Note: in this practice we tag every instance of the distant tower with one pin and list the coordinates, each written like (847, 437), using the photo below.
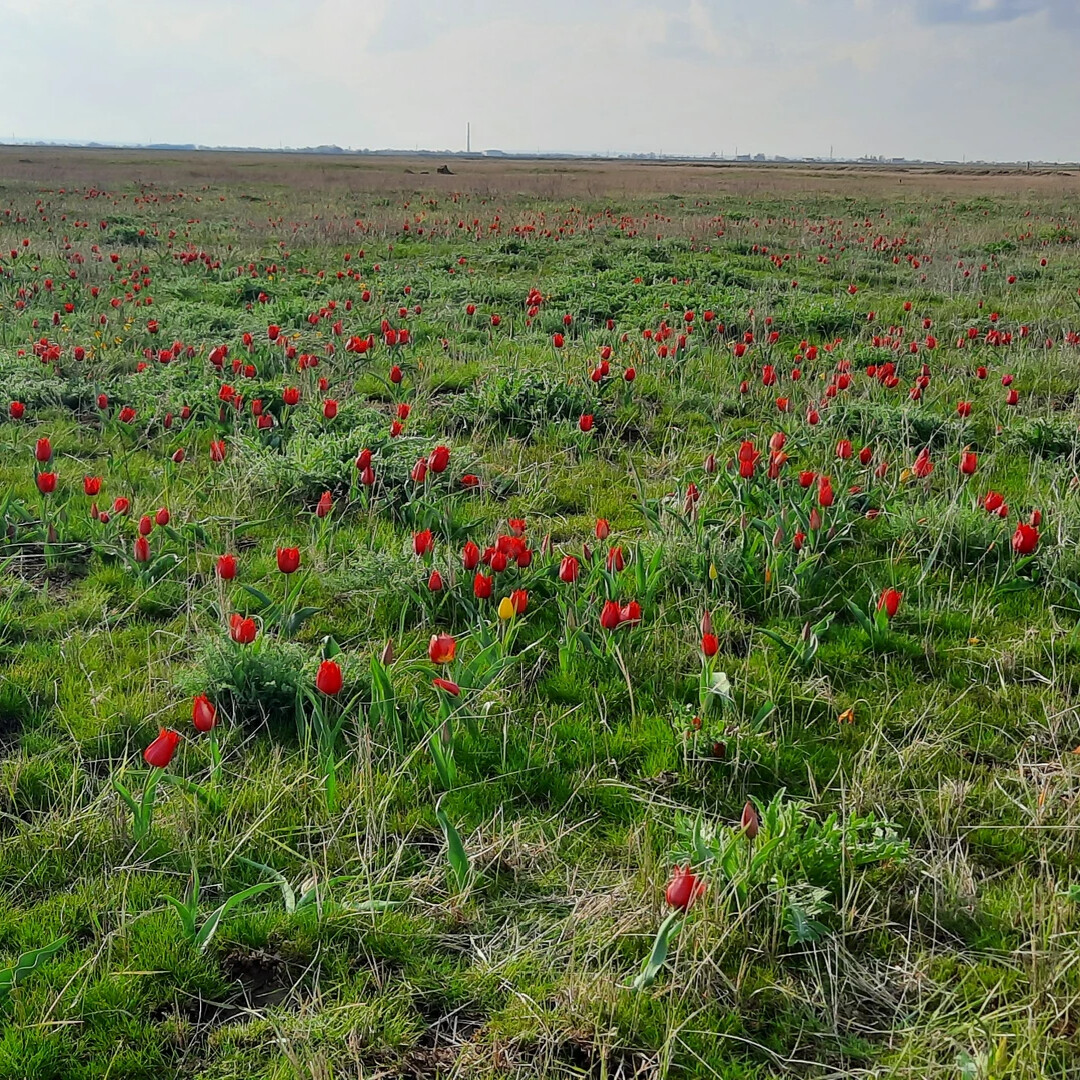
(468, 138)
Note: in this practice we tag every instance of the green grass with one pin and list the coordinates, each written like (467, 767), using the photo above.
(571, 767)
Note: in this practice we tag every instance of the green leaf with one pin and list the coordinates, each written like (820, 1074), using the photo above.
(444, 762)
(801, 927)
(258, 594)
(213, 921)
(27, 962)
(298, 618)
(186, 915)
(455, 852)
(126, 795)
(764, 713)
(862, 619)
(658, 955)
(287, 894)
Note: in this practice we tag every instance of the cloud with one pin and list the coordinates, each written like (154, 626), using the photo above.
(989, 11)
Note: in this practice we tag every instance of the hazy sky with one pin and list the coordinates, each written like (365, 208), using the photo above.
(992, 79)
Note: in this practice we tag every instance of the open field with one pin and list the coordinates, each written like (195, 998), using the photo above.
(403, 577)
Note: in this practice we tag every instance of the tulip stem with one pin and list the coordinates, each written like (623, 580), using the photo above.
(215, 757)
(283, 622)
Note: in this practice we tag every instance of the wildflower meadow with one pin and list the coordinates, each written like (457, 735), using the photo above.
(501, 624)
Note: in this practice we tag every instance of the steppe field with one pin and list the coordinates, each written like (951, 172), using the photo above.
(555, 619)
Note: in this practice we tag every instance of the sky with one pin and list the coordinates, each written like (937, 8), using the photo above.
(933, 79)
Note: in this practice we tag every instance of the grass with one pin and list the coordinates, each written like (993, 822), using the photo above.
(470, 886)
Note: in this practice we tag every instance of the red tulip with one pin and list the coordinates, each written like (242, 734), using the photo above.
(326, 504)
(615, 560)
(630, 613)
(91, 485)
(396, 375)
(226, 567)
(435, 581)
(291, 395)
(889, 601)
(288, 560)
(1026, 539)
(121, 505)
(242, 630)
(423, 543)
(16, 410)
(329, 409)
(963, 409)
(609, 615)
(203, 713)
(146, 525)
(993, 501)
(439, 459)
(442, 648)
(328, 679)
(569, 569)
(710, 644)
(43, 450)
(46, 482)
(217, 450)
(482, 586)
(843, 449)
(586, 422)
(470, 555)
(684, 888)
(160, 752)
(969, 462)
(519, 598)
(451, 688)
(163, 517)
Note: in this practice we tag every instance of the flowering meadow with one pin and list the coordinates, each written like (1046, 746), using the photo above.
(447, 631)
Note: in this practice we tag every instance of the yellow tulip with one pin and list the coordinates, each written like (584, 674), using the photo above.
(713, 575)
(506, 608)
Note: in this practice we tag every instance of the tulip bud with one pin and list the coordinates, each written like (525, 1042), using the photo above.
(749, 823)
